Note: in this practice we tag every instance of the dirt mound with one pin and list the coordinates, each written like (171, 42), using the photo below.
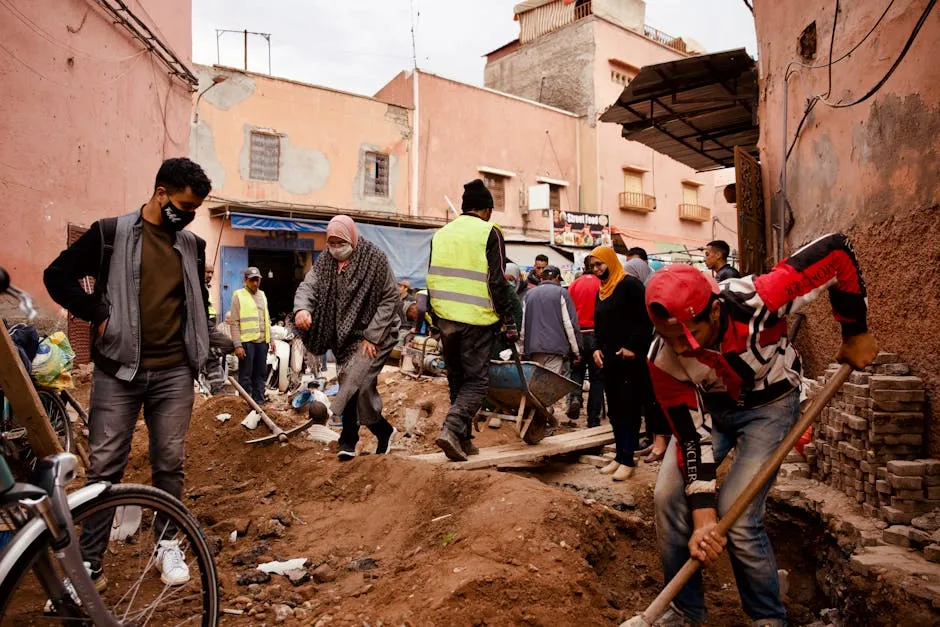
(404, 541)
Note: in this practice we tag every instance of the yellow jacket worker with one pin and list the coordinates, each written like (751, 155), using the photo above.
(251, 334)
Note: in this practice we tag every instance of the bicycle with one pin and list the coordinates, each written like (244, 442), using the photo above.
(42, 573)
(13, 437)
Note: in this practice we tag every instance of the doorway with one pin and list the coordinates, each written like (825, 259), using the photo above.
(281, 273)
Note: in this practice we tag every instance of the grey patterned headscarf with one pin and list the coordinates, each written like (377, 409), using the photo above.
(638, 269)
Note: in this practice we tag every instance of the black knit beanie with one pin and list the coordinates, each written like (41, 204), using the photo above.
(476, 197)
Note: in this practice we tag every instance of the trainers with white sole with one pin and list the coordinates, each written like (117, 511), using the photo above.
(385, 445)
(171, 562)
(97, 577)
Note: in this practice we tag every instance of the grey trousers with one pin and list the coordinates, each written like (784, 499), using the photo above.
(358, 400)
(166, 397)
(556, 363)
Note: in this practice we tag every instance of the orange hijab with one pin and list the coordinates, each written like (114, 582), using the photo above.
(616, 274)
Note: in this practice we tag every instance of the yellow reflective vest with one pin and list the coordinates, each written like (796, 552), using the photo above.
(250, 319)
(212, 312)
(458, 272)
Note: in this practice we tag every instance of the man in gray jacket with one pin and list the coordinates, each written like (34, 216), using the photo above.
(550, 332)
(150, 336)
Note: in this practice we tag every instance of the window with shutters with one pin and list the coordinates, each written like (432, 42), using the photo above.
(376, 174)
(264, 156)
(497, 186)
(554, 198)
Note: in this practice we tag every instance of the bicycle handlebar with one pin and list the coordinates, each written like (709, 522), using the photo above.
(25, 300)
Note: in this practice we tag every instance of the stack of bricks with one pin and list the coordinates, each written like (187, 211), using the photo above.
(875, 422)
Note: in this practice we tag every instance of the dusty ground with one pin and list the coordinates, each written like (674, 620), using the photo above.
(395, 541)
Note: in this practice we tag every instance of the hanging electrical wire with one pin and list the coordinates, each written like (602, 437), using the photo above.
(884, 79)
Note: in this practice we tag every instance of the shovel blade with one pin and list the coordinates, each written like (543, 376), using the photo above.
(280, 435)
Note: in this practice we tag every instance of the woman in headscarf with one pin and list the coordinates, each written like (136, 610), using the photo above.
(638, 269)
(623, 332)
(349, 302)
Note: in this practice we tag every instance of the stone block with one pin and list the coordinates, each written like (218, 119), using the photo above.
(933, 492)
(898, 535)
(899, 396)
(894, 406)
(882, 473)
(933, 465)
(903, 439)
(932, 480)
(909, 495)
(887, 358)
(856, 423)
(929, 523)
(854, 453)
(892, 369)
(932, 552)
(897, 422)
(886, 382)
(851, 389)
(859, 378)
(895, 516)
(901, 482)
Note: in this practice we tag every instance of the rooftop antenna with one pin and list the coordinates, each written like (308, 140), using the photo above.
(221, 31)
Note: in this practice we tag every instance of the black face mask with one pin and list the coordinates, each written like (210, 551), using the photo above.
(174, 218)
(605, 275)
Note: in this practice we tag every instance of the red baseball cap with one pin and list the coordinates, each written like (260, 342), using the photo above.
(682, 291)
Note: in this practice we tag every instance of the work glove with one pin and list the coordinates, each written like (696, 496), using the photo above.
(511, 333)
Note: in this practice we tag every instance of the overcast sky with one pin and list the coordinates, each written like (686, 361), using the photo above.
(359, 45)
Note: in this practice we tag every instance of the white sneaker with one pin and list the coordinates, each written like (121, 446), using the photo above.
(172, 563)
(49, 608)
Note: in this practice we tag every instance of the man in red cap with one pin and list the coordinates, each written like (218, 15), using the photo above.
(727, 377)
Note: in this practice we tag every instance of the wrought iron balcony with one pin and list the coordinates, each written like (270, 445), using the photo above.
(637, 201)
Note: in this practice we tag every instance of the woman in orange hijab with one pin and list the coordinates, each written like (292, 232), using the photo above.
(623, 332)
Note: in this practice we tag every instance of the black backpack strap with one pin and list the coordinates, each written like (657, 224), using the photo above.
(108, 227)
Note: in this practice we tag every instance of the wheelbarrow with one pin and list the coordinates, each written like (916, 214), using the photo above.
(528, 398)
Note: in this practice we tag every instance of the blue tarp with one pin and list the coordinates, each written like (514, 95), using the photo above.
(408, 250)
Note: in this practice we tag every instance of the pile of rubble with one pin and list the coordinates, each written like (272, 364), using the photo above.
(868, 444)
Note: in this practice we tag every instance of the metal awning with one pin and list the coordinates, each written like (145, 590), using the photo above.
(695, 110)
(523, 254)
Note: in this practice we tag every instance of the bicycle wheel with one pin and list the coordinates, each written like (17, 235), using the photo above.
(59, 418)
(136, 592)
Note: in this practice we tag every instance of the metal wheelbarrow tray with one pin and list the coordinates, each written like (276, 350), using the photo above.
(507, 391)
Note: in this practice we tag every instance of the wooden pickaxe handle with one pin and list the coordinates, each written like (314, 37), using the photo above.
(767, 473)
(276, 430)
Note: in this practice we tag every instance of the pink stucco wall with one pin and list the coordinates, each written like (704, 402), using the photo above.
(869, 170)
(662, 176)
(87, 118)
(860, 162)
(463, 127)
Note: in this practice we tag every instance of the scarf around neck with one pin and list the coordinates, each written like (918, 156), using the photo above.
(345, 302)
(615, 270)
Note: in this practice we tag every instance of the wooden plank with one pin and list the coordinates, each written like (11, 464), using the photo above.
(521, 452)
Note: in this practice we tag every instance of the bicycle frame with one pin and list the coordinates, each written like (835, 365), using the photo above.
(53, 513)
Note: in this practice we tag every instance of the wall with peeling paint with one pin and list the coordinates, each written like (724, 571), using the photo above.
(324, 137)
(88, 116)
(868, 169)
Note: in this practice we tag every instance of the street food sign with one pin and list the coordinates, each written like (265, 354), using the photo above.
(585, 230)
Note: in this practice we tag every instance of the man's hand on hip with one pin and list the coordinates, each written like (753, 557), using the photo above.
(858, 350)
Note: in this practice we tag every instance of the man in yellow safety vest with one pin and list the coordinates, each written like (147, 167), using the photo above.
(469, 301)
(250, 317)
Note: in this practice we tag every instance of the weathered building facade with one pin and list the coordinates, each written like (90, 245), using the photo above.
(862, 144)
(89, 113)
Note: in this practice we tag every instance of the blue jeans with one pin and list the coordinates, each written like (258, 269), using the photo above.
(754, 434)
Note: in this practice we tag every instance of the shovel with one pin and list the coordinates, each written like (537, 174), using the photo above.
(767, 472)
(276, 432)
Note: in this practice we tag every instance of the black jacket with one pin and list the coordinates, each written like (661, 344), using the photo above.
(621, 320)
(727, 271)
